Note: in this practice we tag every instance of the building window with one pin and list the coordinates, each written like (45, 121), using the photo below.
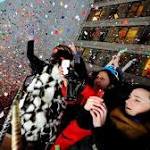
(144, 36)
(131, 35)
(133, 9)
(112, 34)
(121, 35)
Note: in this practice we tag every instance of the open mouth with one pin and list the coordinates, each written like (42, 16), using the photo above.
(128, 108)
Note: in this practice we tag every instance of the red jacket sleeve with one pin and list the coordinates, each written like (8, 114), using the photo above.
(71, 135)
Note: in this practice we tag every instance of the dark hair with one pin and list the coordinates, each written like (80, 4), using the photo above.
(142, 86)
(63, 52)
(113, 80)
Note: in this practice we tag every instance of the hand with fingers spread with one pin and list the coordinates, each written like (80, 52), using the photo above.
(99, 115)
(116, 60)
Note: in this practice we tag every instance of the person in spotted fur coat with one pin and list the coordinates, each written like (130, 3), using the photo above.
(43, 100)
(43, 103)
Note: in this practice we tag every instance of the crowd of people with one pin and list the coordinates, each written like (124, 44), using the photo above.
(63, 105)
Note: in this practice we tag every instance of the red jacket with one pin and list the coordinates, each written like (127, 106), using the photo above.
(73, 132)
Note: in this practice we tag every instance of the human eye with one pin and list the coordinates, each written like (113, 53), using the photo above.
(137, 100)
(129, 96)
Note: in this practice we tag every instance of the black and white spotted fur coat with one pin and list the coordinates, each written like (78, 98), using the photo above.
(42, 106)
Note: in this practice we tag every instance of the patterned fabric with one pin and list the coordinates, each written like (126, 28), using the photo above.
(42, 106)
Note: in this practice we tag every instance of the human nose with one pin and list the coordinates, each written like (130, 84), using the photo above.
(99, 78)
(129, 101)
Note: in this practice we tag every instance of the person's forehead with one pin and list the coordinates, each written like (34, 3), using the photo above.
(141, 93)
(104, 73)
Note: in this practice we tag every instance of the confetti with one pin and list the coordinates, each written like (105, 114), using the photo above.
(1, 1)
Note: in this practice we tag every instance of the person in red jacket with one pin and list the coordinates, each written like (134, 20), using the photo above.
(75, 130)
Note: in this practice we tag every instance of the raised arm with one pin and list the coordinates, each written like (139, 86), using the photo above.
(35, 63)
(80, 66)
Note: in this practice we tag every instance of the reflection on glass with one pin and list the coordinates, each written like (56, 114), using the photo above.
(144, 36)
(134, 35)
(113, 12)
(133, 9)
(146, 71)
(146, 11)
(139, 10)
(122, 34)
(131, 35)
(112, 34)
(124, 10)
(101, 57)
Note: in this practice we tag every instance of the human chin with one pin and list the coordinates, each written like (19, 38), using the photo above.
(129, 111)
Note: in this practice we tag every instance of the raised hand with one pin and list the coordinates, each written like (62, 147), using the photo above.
(99, 115)
(93, 102)
(73, 48)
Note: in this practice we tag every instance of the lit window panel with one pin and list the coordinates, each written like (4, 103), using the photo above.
(133, 9)
(113, 12)
(99, 34)
(112, 34)
(92, 14)
(86, 54)
(122, 34)
(122, 10)
(104, 13)
(146, 70)
(139, 10)
(85, 34)
(132, 34)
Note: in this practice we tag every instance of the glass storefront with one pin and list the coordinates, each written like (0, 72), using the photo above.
(127, 35)
(101, 57)
(125, 10)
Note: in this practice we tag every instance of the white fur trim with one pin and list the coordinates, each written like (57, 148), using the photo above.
(44, 78)
(48, 94)
(21, 102)
(27, 116)
(30, 108)
(38, 84)
(44, 106)
(56, 73)
(30, 88)
(36, 92)
(37, 102)
(40, 120)
(52, 83)
(27, 125)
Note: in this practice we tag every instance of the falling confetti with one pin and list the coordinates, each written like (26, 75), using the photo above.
(48, 22)
(1, 1)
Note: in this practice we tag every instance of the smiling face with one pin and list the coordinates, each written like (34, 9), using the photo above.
(138, 102)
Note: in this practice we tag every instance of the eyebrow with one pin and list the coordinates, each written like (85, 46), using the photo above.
(137, 96)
